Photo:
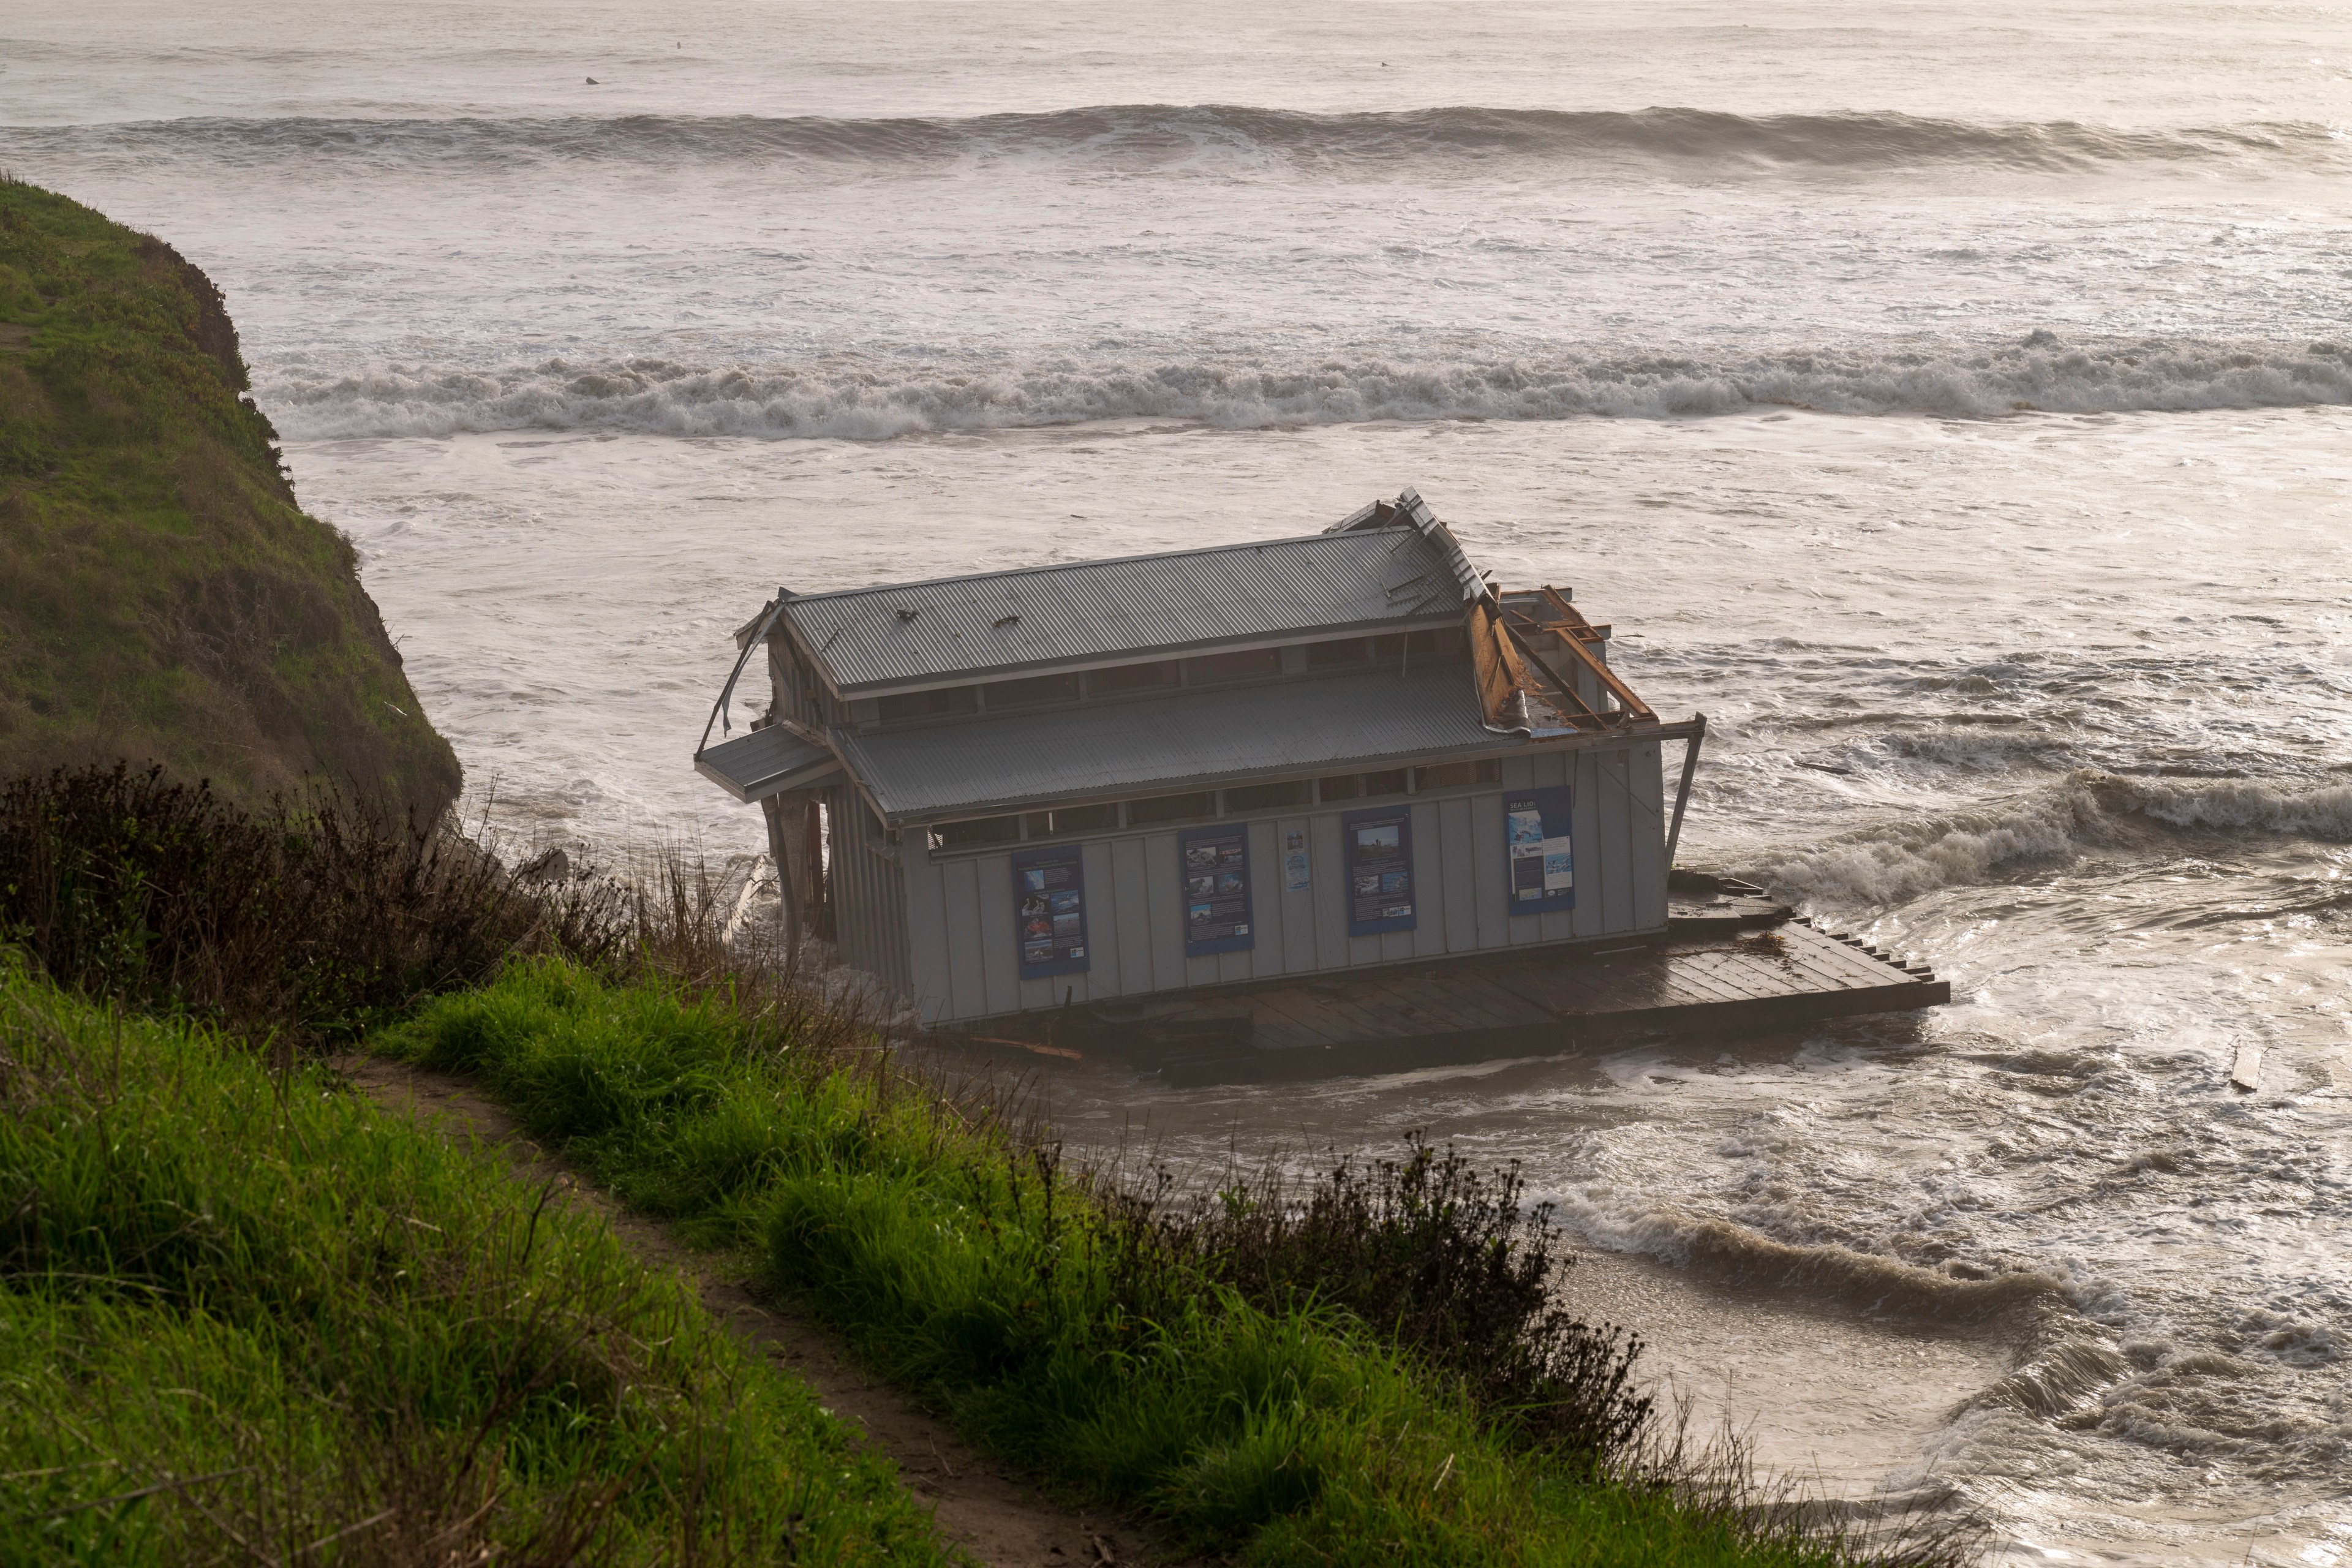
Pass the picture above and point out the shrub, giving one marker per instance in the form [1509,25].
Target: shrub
[1450,1264]
[300,921]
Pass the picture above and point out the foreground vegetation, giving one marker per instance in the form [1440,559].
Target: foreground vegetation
[238,1307]
[1089,1335]
[161,595]
[296,924]
[246,1318]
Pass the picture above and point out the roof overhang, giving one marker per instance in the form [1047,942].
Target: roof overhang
[768,761]
[1491,746]
[1186,742]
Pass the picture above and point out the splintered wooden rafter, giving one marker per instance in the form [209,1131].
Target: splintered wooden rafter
[1515,692]
[1550,610]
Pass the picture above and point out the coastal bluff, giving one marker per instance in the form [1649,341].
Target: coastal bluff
[164,598]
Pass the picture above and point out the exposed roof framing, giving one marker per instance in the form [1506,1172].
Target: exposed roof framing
[1544,621]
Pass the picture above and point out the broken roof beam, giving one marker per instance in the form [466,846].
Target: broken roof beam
[1518,694]
[1568,619]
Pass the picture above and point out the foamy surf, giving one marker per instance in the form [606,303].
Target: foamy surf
[872,398]
[1212,137]
[1733,1254]
[2088,810]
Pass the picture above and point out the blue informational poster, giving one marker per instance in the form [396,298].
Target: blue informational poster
[1379,848]
[1049,909]
[1540,863]
[1216,876]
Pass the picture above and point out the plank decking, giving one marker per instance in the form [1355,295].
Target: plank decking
[1458,1009]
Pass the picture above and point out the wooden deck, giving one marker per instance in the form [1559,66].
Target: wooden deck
[1732,977]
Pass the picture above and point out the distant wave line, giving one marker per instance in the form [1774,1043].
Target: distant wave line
[861,400]
[1157,134]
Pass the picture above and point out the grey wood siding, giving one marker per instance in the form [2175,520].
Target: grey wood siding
[869,895]
[952,917]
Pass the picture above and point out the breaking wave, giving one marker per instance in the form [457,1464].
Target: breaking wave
[1149,135]
[1883,1286]
[2088,809]
[859,400]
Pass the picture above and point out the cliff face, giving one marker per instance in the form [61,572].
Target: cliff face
[161,597]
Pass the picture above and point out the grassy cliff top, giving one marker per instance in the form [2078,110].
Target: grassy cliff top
[161,595]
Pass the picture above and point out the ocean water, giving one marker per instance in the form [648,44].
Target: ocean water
[1953,403]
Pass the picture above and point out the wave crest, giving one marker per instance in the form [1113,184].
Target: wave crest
[867,401]
[1147,135]
[1861,1282]
[2088,809]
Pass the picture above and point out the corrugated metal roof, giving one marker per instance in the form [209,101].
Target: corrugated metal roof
[766,762]
[1143,604]
[1190,740]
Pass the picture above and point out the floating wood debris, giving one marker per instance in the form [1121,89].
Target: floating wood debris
[1337,792]
[2246,1069]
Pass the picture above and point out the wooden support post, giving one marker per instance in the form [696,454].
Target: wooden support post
[1681,793]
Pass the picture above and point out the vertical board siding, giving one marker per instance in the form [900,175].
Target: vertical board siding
[1266,902]
[927,937]
[945,928]
[1616,851]
[1551,772]
[1134,900]
[1488,854]
[1648,837]
[891,898]
[1588,918]
[1431,869]
[869,896]
[1299,923]
[1104,952]
[1164,908]
[967,967]
[1000,943]
[1457,852]
[1333,946]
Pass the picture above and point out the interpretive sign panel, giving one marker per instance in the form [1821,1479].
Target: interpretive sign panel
[1378,845]
[1541,861]
[1049,903]
[1216,872]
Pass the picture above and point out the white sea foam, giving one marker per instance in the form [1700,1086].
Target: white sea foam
[862,399]
[1160,135]
[1734,1253]
[2088,809]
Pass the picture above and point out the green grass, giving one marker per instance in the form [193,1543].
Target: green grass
[243,1314]
[969,1268]
[161,595]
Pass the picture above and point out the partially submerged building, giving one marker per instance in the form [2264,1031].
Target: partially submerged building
[1066,784]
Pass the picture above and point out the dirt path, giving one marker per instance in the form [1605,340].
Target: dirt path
[990,1511]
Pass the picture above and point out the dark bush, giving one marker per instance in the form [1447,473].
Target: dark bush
[1444,1260]
[300,920]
